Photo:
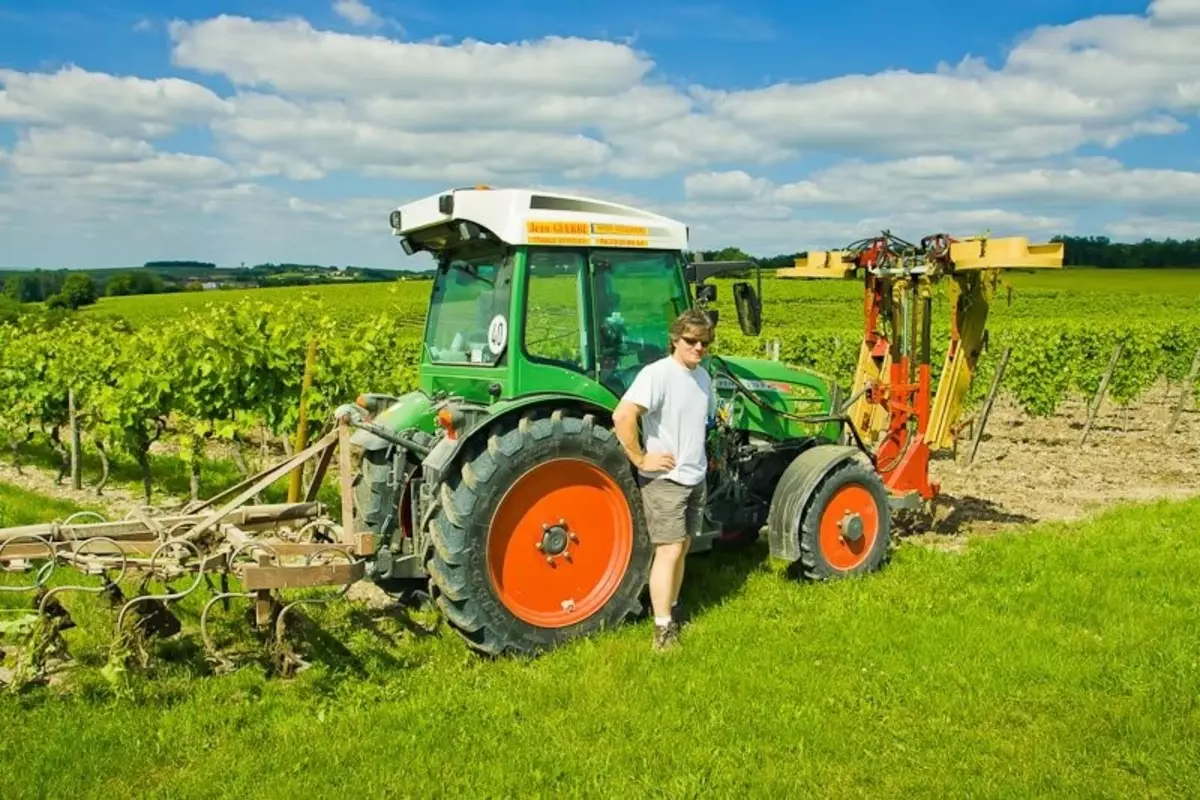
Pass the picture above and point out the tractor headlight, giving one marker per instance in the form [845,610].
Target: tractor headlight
[394,220]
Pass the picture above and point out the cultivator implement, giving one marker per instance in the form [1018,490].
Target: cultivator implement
[153,563]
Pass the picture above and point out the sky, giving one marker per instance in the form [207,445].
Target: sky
[239,132]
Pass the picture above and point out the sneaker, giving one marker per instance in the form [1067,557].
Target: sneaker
[666,636]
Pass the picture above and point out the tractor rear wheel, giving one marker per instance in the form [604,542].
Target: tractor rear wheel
[540,536]
[846,527]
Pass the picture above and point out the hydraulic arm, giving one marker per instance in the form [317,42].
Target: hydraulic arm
[892,408]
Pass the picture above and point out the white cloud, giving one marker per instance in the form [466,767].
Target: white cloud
[89,176]
[735,185]
[1100,80]
[771,234]
[81,144]
[335,140]
[356,13]
[291,56]
[108,103]
[1136,228]
[928,184]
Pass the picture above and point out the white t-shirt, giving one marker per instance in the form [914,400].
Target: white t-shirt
[678,403]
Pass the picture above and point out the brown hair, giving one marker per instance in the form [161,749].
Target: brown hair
[691,320]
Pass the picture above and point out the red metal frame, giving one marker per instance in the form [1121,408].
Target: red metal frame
[902,458]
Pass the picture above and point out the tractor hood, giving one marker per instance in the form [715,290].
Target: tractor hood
[411,411]
[780,387]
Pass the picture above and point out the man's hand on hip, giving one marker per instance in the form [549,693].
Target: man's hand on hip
[657,462]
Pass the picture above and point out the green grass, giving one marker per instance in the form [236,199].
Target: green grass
[1062,660]
[22,507]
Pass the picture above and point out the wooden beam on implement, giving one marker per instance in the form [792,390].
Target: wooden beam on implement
[265,578]
[268,478]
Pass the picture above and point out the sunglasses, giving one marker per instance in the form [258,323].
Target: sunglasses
[691,342]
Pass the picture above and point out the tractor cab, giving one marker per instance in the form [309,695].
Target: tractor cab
[535,292]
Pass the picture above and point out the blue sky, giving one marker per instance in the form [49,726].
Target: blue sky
[245,132]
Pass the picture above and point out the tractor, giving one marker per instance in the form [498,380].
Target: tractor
[499,480]
[498,486]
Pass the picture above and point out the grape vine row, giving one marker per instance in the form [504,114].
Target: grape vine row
[229,371]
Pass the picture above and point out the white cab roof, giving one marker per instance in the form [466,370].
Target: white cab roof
[527,216]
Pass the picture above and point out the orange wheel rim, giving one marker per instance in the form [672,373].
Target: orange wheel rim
[849,527]
[560,543]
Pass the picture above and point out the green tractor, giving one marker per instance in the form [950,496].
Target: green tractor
[500,480]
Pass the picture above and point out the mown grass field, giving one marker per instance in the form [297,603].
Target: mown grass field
[1060,660]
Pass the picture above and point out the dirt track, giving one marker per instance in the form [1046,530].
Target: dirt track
[1031,470]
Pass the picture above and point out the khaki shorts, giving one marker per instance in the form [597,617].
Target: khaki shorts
[673,510]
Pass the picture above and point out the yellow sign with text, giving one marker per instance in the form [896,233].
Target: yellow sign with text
[553,228]
[602,241]
[535,239]
[608,229]
[599,234]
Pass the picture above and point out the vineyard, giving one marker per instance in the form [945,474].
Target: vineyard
[151,375]
[1022,647]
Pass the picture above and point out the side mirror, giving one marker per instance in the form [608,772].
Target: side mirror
[749,309]
[706,293]
[713,315]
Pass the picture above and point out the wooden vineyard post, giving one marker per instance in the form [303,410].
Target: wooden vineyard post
[346,482]
[1185,393]
[987,406]
[76,455]
[1095,407]
[310,364]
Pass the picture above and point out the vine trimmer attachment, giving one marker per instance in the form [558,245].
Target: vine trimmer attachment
[147,565]
[892,407]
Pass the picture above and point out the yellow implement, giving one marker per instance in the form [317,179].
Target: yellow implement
[892,409]
[976,253]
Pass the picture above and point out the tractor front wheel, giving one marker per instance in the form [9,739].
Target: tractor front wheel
[846,527]
[540,536]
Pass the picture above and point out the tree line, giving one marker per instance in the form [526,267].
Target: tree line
[1100,251]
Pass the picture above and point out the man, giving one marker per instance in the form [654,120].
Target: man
[674,398]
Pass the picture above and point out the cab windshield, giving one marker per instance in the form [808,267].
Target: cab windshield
[635,294]
[468,309]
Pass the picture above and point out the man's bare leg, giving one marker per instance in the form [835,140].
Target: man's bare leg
[679,564]
[665,574]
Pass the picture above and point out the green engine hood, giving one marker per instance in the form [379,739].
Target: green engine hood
[412,411]
[779,386]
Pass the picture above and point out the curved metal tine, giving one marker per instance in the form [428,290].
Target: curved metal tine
[81,545]
[214,654]
[327,524]
[169,596]
[43,574]
[70,519]
[281,620]
[170,535]
[271,551]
